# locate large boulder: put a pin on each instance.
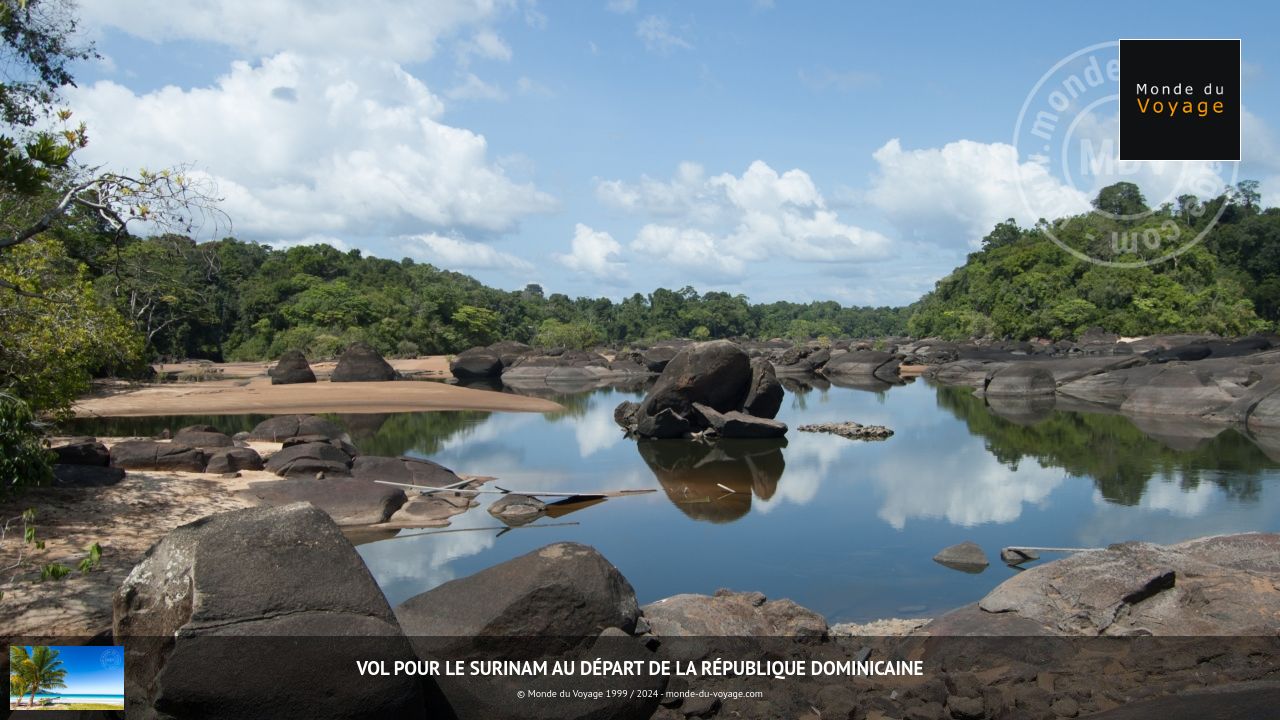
(1021, 380)
(82, 451)
(732, 614)
(1216, 586)
(153, 455)
(864, 362)
(283, 427)
(764, 398)
(307, 459)
(234, 459)
(202, 436)
(361, 363)
(292, 368)
(280, 585)
(1265, 414)
(508, 351)
(1110, 388)
(476, 363)
(656, 358)
(716, 374)
(563, 593)
(346, 500)
(1181, 390)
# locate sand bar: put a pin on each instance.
(258, 396)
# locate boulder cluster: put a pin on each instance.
(710, 388)
(358, 363)
(284, 586)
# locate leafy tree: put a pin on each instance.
(1121, 199)
(38, 669)
(23, 459)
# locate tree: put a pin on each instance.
(1122, 199)
(38, 669)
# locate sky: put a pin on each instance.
(91, 670)
(784, 150)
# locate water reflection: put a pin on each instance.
(715, 482)
(868, 516)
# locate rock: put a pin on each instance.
(563, 593)
(625, 415)
(283, 427)
(1065, 707)
(731, 614)
(1021, 379)
(1096, 335)
(339, 443)
(292, 368)
(65, 475)
(152, 455)
(309, 458)
(347, 501)
(199, 437)
(1217, 586)
(698, 706)
(717, 374)
(864, 362)
(665, 425)
(361, 363)
(966, 708)
(478, 362)
(1183, 391)
(1110, 388)
(851, 430)
(965, 557)
(764, 398)
(82, 451)
(517, 509)
(1018, 556)
(1184, 353)
(1223, 702)
(411, 471)
(508, 351)
(656, 358)
(250, 575)
(737, 425)
(230, 460)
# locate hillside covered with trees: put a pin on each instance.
(1021, 285)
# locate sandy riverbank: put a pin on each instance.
(244, 388)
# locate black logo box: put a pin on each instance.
(1186, 67)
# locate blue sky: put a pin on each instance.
(608, 147)
(91, 670)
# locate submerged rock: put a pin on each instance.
(965, 557)
(850, 430)
(517, 509)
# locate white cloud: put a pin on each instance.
(593, 253)
(456, 253)
(621, 6)
(473, 88)
(960, 191)
(384, 29)
(656, 32)
(719, 224)
(485, 44)
(300, 146)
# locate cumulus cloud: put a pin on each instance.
(386, 29)
(300, 146)
(721, 223)
(960, 191)
(486, 44)
(451, 252)
(473, 88)
(592, 253)
(656, 32)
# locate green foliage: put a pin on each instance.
(573, 335)
(24, 461)
(1022, 286)
(91, 559)
(54, 571)
(55, 329)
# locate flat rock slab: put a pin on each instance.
(1220, 586)
(1227, 702)
(283, 427)
(347, 501)
(152, 455)
(731, 614)
(850, 430)
(403, 470)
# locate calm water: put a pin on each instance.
(844, 527)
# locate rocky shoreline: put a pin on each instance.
(220, 578)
